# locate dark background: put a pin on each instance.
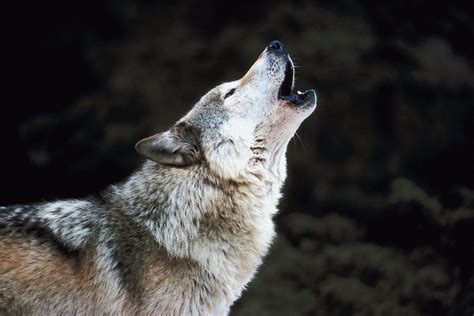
(378, 215)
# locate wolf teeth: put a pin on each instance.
(299, 92)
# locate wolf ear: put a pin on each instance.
(178, 146)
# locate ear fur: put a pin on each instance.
(177, 147)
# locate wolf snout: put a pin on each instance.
(276, 46)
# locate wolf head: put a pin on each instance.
(239, 126)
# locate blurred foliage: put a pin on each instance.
(378, 215)
(413, 261)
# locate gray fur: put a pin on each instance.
(183, 235)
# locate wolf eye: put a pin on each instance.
(228, 94)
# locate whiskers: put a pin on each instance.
(299, 138)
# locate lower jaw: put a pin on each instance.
(299, 98)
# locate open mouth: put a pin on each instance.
(287, 87)
(288, 84)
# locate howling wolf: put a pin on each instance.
(185, 233)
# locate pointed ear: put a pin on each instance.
(178, 146)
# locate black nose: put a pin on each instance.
(276, 46)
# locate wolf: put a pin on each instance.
(186, 232)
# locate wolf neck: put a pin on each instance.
(219, 224)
